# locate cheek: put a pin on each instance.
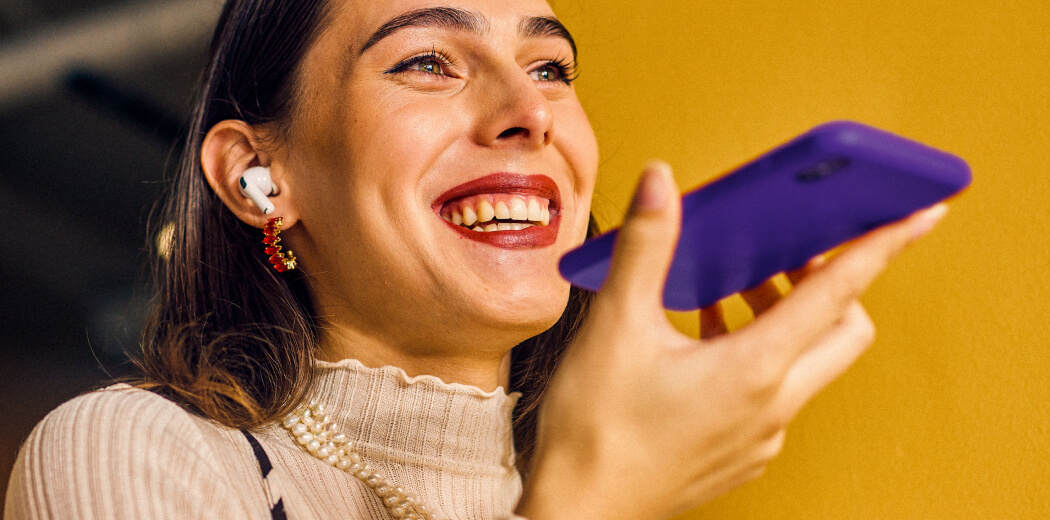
(577, 142)
(374, 153)
(579, 146)
(388, 130)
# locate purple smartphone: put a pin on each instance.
(821, 189)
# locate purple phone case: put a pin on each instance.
(801, 199)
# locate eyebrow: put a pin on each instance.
(546, 26)
(442, 17)
(462, 20)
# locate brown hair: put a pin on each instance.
(229, 338)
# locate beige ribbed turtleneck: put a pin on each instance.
(126, 453)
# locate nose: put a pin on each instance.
(513, 112)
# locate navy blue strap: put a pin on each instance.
(276, 510)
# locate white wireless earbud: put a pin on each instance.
(257, 185)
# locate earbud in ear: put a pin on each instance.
(257, 185)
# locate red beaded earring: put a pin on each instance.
(280, 261)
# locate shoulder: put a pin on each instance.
(117, 421)
(119, 452)
(105, 408)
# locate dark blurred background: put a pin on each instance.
(93, 96)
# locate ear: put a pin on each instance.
(231, 148)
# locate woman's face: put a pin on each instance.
(440, 164)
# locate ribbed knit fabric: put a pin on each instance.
(123, 453)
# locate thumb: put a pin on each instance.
(646, 242)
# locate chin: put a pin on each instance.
(528, 312)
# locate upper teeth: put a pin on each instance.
(482, 212)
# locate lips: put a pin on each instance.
(505, 210)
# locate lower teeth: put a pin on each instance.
(500, 226)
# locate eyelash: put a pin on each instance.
(432, 54)
(565, 68)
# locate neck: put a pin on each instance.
(486, 368)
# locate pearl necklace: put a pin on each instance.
(310, 426)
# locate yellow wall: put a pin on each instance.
(949, 415)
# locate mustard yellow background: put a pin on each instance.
(948, 415)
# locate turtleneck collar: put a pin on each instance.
(391, 416)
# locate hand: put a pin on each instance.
(641, 421)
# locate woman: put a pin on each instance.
(429, 164)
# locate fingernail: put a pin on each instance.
(654, 189)
(928, 219)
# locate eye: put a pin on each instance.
(431, 63)
(553, 71)
(428, 65)
(547, 73)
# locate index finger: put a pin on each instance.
(798, 321)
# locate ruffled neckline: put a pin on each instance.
(420, 420)
(423, 379)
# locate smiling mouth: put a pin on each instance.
(505, 210)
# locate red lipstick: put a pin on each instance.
(508, 183)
